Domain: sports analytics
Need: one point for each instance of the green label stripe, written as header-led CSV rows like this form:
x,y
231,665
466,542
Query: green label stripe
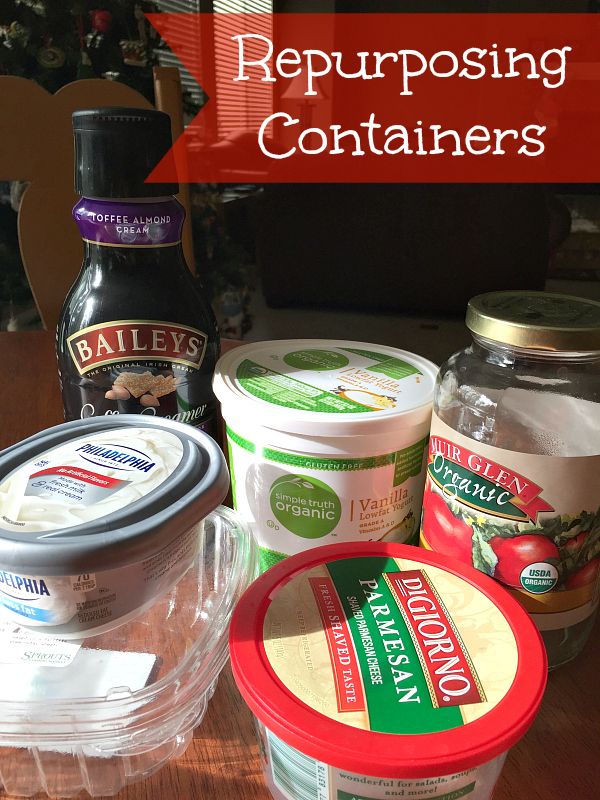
x,y
268,558
407,462
333,464
282,390
474,490
230,460
396,689
386,365
422,784
239,440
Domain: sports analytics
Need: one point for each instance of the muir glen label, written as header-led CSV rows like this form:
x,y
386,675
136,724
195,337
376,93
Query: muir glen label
x,y
146,367
530,521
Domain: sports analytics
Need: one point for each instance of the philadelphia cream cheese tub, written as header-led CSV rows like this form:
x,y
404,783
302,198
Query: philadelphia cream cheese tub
x,y
102,712
100,517
327,441
381,670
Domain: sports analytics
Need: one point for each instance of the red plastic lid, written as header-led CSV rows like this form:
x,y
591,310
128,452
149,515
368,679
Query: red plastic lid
x,y
387,660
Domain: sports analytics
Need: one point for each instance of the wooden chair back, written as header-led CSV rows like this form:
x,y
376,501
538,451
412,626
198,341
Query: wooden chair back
x,y
37,146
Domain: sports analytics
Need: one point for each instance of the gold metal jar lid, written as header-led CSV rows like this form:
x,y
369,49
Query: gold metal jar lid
x,y
536,320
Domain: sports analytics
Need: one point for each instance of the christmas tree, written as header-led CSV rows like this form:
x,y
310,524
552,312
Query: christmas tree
x,y
55,42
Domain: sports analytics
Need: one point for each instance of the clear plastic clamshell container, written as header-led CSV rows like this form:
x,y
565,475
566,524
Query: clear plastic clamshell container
x,y
102,712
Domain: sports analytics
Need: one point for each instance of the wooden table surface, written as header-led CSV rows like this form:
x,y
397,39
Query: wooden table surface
x,y
559,759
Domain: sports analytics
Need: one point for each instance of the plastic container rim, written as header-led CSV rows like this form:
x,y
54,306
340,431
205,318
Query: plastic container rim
x,y
155,698
159,517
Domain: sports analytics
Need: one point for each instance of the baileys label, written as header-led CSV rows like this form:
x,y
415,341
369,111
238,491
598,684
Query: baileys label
x,y
148,367
122,340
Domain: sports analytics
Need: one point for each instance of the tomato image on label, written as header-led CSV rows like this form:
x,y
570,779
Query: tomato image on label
x,y
585,576
574,545
519,553
485,513
444,531
529,520
555,555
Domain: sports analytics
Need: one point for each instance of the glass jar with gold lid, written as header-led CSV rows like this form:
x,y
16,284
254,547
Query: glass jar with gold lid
x,y
513,475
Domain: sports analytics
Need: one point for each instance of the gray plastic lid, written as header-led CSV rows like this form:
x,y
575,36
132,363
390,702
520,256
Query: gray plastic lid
x,y
132,532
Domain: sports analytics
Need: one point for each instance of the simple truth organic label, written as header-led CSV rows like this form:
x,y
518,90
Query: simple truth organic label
x,y
333,380
291,499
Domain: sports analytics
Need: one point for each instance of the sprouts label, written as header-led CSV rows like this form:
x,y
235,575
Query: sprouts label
x,y
531,522
20,646
87,478
334,380
390,645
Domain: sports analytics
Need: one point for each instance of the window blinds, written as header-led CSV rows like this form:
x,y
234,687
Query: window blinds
x,y
257,103
168,59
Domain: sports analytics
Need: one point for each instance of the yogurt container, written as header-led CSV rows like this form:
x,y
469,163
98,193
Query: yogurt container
x,y
327,441
381,670
100,517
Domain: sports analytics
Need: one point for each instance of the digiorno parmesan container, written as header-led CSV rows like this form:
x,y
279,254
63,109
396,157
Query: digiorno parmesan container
x,y
381,670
